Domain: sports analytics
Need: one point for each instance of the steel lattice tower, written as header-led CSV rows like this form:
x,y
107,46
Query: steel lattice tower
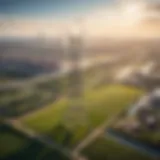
x,y
76,115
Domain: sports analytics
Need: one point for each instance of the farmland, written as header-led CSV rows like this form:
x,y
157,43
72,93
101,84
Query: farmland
x,y
103,149
98,105
16,145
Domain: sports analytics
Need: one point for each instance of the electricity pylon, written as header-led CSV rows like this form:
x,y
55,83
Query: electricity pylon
x,y
75,116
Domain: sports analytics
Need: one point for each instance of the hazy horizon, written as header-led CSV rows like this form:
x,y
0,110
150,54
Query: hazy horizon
x,y
104,18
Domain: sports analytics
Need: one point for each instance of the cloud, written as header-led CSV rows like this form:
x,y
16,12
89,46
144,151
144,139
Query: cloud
x,y
126,19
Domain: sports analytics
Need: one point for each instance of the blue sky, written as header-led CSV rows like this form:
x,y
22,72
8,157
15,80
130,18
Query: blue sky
x,y
43,8
46,8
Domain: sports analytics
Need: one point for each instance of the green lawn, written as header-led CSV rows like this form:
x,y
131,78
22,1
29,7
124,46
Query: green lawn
x,y
106,149
98,104
45,119
15,147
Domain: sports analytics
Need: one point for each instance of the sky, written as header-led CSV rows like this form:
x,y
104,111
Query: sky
x,y
44,8
112,18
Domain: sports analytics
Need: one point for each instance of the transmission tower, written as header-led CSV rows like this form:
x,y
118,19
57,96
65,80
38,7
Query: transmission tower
x,y
75,115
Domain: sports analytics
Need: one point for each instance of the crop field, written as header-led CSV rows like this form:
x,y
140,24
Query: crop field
x,y
69,126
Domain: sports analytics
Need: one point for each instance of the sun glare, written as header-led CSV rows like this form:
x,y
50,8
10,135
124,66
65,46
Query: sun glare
x,y
133,12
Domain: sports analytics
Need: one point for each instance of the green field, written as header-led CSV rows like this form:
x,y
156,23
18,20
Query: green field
x,y
18,101
10,143
107,149
99,105
14,145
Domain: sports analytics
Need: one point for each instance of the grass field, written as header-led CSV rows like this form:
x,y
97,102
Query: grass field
x,y
10,143
107,149
16,146
99,105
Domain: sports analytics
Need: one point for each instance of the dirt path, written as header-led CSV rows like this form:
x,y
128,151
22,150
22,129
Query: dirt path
x,y
18,127
91,137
